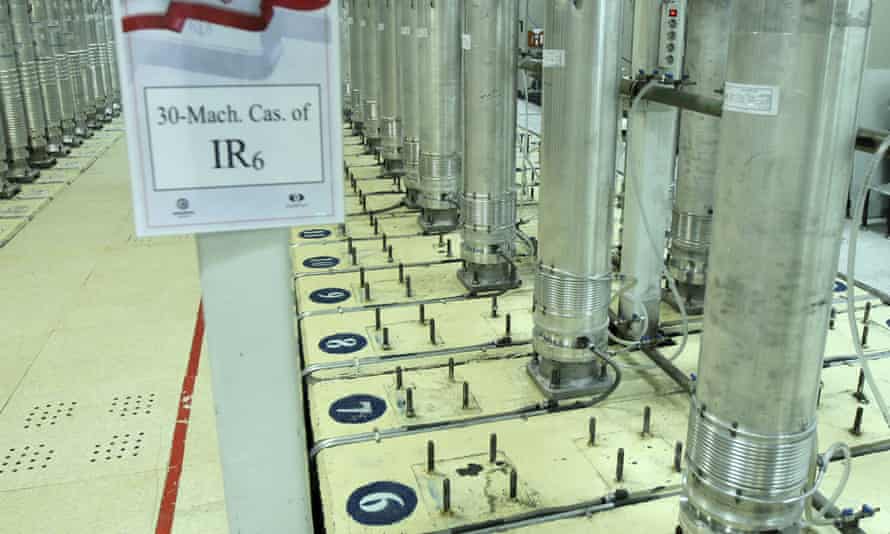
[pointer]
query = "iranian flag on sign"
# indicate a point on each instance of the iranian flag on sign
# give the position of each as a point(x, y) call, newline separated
point(249, 15)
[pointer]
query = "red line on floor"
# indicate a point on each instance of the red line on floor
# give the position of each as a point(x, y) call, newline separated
point(177, 448)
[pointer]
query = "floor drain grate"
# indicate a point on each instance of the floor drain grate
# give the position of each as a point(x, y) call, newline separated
point(26, 458)
point(48, 414)
point(131, 405)
point(120, 446)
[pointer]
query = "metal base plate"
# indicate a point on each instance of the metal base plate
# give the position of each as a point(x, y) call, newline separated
point(438, 221)
point(23, 175)
point(478, 278)
point(8, 190)
point(569, 388)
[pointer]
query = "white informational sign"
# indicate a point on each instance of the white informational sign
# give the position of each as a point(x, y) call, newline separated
point(233, 113)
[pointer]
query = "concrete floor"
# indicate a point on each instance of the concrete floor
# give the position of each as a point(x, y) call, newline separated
point(98, 329)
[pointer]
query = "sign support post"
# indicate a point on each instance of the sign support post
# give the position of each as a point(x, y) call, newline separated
point(257, 386)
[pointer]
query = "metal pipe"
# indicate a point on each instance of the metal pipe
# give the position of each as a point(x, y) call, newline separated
point(371, 73)
point(572, 285)
point(345, 58)
point(29, 80)
point(410, 35)
point(96, 66)
point(103, 61)
point(707, 45)
point(80, 59)
point(7, 188)
point(14, 122)
point(47, 75)
point(111, 52)
point(390, 120)
point(441, 125)
point(83, 116)
point(488, 199)
point(793, 79)
point(63, 72)
point(357, 67)
point(651, 155)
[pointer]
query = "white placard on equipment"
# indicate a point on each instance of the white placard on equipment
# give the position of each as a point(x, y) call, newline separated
point(233, 113)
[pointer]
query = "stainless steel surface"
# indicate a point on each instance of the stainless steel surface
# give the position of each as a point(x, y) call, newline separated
point(390, 94)
point(29, 79)
point(371, 70)
point(706, 50)
point(96, 65)
point(48, 76)
point(103, 60)
point(441, 124)
point(63, 71)
point(84, 113)
point(345, 57)
point(111, 51)
point(409, 85)
point(779, 199)
point(651, 156)
point(14, 121)
point(357, 67)
point(80, 60)
point(580, 125)
point(488, 200)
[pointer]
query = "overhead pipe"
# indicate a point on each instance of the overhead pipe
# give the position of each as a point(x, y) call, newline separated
point(441, 123)
point(785, 156)
point(580, 133)
point(371, 73)
point(410, 36)
point(390, 93)
point(707, 45)
point(488, 199)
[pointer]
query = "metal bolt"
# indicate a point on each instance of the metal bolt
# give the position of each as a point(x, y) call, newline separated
point(451, 369)
point(401, 273)
point(384, 242)
point(832, 318)
point(409, 402)
point(430, 457)
point(378, 319)
point(399, 381)
point(647, 421)
point(441, 239)
point(619, 466)
point(349, 243)
point(353, 256)
point(361, 276)
point(433, 331)
point(389, 257)
point(865, 335)
point(508, 326)
point(494, 306)
point(867, 316)
point(819, 395)
point(514, 484)
point(448, 248)
point(860, 389)
point(591, 431)
point(554, 377)
point(386, 345)
point(446, 496)
point(857, 422)
point(408, 287)
point(465, 404)
point(678, 457)
point(422, 312)
point(367, 292)
point(376, 226)
point(493, 448)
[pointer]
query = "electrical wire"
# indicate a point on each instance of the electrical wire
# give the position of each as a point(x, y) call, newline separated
point(879, 156)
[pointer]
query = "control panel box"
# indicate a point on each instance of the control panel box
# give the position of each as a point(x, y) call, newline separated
point(672, 37)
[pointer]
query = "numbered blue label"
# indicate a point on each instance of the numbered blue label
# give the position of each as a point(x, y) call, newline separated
point(315, 233)
point(329, 295)
point(357, 409)
point(381, 503)
point(839, 286)
point(321, 262)
point(343, 343)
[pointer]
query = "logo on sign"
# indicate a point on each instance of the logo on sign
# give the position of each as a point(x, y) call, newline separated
point(381, 503)
point(357, 409)
point(343, 343)
point(329, 295)
point(315, 233)
point(839, 286)
point(321, 262)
